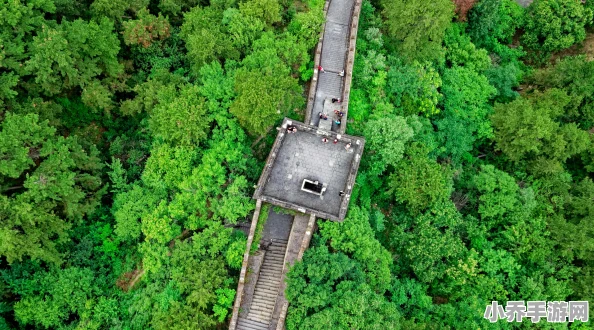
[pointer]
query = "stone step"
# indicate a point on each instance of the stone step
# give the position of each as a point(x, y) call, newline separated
point(264, 312)
point(263, 315)
point(266, 289)
point(263, 305)
point(275, 257)
point(247, 324)
point(275, 280)
point(265, 296)
point(271, 267)
point(256, 316)
point(271, 276)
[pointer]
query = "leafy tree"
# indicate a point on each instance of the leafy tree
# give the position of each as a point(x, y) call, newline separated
point(205, 38)
point(419, 181)
point(147, 28)
point(48, 183)
point(267, 11)
point(17, 22)
point(58, 298)
point(466, 110)
point(242, 29)
point(180, 115)
point(264, 88)
point(505, 78)
point(418, 26)
point(62, 58)
point(527, 129)
point(493, 23)
point(116, 10)
point(328, 290)
point(553, 25)
point(345, 288)
point(574, 76)
point(387, 138)
point(460, 51)
point(413, 87)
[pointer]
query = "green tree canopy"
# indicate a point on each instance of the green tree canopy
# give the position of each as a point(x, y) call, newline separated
point(529, 130)
point(553, 25)
point(418, 26)
point(48, 183)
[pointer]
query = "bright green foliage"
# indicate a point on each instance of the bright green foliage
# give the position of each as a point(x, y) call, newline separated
point(72, 54)
point(354, 237)
point(497, 192)
point(466, 110)
point(460, 51)
point(418, 26)
point(328, 291)
point(386, 138)
point(177, 7)
point(553, 25)
point(343, 289)
point(419, 181)
point(48, 183)
point(527, 129)
point(429, 244)
point(307, 26)
point(116, 9)
point(575, 76)
point(265, 90)
point(205, 37)
point(179, 116)
point(242, 29)
point(414, 88)
point(146, 29)
point(62, 297)
point(267, 11)
point(17, 21)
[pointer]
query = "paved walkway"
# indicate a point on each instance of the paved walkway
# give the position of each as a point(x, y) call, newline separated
point(333, 59)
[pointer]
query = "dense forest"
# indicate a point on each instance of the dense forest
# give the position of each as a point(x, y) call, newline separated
point(133, 131)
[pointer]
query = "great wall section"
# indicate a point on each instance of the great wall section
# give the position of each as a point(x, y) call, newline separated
point(310, 172)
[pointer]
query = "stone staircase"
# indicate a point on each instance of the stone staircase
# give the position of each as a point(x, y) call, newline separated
point(267, 286)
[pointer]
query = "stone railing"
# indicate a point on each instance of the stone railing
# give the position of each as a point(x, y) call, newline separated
point(317, 60)
point(350, 62)
point(244, 266)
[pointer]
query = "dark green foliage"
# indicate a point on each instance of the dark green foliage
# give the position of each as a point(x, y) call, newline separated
point(126, 163)
point(418, 26)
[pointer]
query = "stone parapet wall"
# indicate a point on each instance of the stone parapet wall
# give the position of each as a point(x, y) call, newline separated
point(350, 62)
point(244, 267)
point(317, 60)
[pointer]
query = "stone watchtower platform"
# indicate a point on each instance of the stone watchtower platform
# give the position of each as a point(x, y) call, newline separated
point(298, 160)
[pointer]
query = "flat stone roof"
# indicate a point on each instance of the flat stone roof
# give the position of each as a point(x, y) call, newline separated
point(302, 155)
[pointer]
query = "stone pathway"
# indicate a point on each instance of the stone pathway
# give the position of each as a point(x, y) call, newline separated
point(284, 238)
point(333, 58)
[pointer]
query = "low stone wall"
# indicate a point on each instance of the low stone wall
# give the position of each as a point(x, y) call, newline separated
point(317, 60)
point(350, 62)
point(244, 267)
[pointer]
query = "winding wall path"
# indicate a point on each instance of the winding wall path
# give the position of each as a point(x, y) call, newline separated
point(260, 302)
